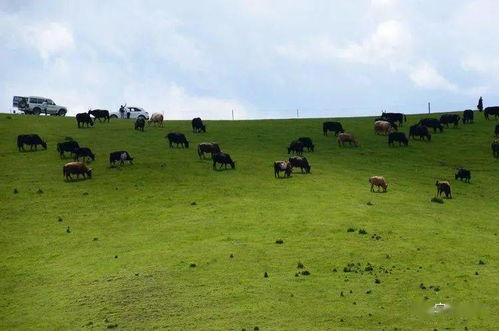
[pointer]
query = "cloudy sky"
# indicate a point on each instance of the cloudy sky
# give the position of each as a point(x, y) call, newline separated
point(264, 59)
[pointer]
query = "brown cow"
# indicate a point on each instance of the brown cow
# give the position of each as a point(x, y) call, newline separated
point(208, 148)
point(156, 118)
point(379, 181)
point(347, 138)
point(383, 127)
point(76, 168)
point(300, 162)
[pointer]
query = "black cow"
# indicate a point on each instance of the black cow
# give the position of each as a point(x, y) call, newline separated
point(491, 111)
point(332, 126)
point(83, 152)
point(468, 116)
point(463, 174)
point(121, 156)
point(296, 146)
point(67, 146)
point(84, 118)
point(447, 119)
point(495, 148)
point(223, 159)
point(31, 140)
point(443, 187)
point(394, 117)
point(397, 136)
point(307, 142)
point(140, 124)
point(208, 148)
point(177, 138)
point(100, 113)
point(197, 125)
point(284, 166)
point(419, 131)
point(432, 123)
point(496, 132)
point(300, 162)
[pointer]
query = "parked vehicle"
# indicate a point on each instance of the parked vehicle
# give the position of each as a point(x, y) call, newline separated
point(38, 105)
point(130, 113)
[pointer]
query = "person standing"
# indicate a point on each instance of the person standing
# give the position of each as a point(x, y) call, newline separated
point(480, 104)
point(122, 111)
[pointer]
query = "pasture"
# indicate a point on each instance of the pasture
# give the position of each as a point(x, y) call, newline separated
point(170, 243)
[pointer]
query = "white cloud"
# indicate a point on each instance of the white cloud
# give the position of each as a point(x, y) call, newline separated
point(391, 42)
point(426, 76)
point(50, 39)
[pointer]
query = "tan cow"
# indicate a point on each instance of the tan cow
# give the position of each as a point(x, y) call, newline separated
point(347, 138)
point(156, 118)
point(383, 127)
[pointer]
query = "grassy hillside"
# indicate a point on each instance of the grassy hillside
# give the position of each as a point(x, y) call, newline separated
point(137, 231)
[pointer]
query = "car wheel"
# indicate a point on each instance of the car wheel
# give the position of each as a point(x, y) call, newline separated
point(113, 116)
point(61, 112)
point(36, 111)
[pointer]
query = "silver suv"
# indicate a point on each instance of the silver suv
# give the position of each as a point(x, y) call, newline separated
point(38, 105)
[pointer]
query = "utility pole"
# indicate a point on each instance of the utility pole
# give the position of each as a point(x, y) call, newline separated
point(232, 114)
point(297, 114)
point(429, 108)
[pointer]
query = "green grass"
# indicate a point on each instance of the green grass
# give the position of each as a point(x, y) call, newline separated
point(144, 215)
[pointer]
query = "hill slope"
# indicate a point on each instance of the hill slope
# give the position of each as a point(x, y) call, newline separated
point(136, 232)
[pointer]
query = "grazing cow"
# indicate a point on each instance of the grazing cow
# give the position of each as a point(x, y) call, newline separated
point(76, 168)
point(300, 162)
point(463, 174)
point(223, 159)
point(157, 119)
point(347, 138)
point(296, 146)
point(307, 142)
point(139, 124)
point(491, 111)
point(468, 116)
point(83, 152)
point(443, 187)
point(495, 148)
point(177, 138)
point(332, 126)
point(197, 125)
point(383, 127)
point(378, 181)
point(447, 119)
point(84, 118)
point(394, 117)
point(67, 146)
point(121, 156)
point(31, 140)
point(100, 113)
point(496, 132)
point(208, 148)
point(392, 123)
point(432, 123)
point(419, 131)
point(397, 136)
point(284, 166)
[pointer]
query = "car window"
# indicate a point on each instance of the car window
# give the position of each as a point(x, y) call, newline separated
point(50, 102)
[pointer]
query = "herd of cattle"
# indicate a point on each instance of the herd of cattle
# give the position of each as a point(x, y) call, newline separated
point(388, 124)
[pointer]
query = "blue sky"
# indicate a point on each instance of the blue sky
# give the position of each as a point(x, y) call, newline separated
point(264, 59)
